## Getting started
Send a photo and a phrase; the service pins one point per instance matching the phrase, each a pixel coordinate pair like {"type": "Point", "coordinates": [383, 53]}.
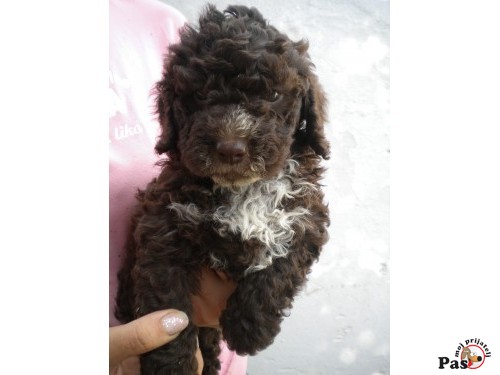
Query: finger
{"type": "Point", "coordinates": [145, 334]}
{"type": "Point", "coordinates": [222, 275]}
{"type": "Point", "coordinates": [199, 359]}
{"type": "Point", "coordinates": [129, 366]}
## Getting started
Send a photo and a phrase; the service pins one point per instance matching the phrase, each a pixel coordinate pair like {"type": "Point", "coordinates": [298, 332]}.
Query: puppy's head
{"type": "Point", "coordinates": [238, 98]}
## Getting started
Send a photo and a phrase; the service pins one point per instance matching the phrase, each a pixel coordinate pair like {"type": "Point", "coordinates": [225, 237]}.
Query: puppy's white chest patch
{"type": "Point", "coordinates": [257, 212]}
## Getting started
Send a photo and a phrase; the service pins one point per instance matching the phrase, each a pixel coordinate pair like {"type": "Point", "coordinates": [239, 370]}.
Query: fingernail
{"type": "Point", "coordinates": [174, 322]}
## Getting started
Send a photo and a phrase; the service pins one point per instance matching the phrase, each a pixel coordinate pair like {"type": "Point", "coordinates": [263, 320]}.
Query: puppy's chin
{"type": "Point", "coordinates": [242, 181]}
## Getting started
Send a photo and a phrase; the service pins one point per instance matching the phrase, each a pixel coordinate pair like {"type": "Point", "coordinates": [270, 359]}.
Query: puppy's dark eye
{"type": "Point", "coordinates": [274, 96]}
{"type": "Point", "coordinates": [231, 12]}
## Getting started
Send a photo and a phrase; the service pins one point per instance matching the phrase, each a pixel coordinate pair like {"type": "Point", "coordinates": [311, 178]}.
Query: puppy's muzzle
{"type": "Point", "coordinates": [231, 151]}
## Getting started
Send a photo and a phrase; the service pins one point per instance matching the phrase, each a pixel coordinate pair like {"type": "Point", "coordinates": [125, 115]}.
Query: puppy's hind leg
{"type": "Point", "coordinates": [209, 339]}
{"type": "Point", "coordinates": [174, 358]}
{"type": "Point", "coordinates": [160, 287]}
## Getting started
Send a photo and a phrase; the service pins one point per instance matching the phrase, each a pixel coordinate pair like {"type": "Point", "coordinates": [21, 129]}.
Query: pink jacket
{"type": "Point", "coordinates": [140, 31]}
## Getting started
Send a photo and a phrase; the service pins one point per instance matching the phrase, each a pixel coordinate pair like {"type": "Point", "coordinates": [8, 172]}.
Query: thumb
{"type": "Point", "coordinates": [145, 334]}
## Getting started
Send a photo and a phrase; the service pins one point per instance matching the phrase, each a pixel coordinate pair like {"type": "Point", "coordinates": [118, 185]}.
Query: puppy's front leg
{"type": "Point", "coordinates": [254, 312]}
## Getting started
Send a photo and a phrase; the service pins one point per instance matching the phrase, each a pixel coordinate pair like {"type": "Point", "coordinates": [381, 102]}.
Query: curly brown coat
{"type": "Point", "coordinates": [241, 116]}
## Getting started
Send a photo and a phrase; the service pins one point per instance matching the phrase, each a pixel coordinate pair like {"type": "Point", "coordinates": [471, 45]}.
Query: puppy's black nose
{"type": "Point", "coordinates": [231, 151]}
{"type": "Point", "coordinates": [479, 358]}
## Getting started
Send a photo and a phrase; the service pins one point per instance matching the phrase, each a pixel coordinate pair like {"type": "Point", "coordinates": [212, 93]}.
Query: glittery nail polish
{"type": "Point", "coordinates": [174, 322]}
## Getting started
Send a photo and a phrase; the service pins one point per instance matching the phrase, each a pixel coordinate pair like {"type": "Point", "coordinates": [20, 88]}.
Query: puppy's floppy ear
{"type": "Point", "coordinates": [310, 129]}
{"type": "Point", "coordinates": [167, 141]}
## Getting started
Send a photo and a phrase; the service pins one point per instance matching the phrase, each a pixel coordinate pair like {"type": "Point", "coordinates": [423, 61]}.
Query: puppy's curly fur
{"type": "Point", "coordinates": [241, 116]}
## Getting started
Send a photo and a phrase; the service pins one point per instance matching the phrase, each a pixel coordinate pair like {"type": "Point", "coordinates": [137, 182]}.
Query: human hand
{"type": "Point", "coordinates": [216, 288]}
{"type": "Point", "coordinates": [128, 341]}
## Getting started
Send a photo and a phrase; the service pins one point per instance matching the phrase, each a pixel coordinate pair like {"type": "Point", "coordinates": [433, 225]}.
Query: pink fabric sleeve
{"type": "Point", "coordinates": [140, 31]}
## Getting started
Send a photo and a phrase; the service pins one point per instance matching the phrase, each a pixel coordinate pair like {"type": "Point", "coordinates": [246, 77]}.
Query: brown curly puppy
{"type": "Point", "coordinates": [241, 116]}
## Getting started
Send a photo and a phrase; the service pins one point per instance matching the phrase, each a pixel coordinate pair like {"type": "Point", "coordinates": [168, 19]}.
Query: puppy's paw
{"type": "Point", "coordinates": [246, 334]}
